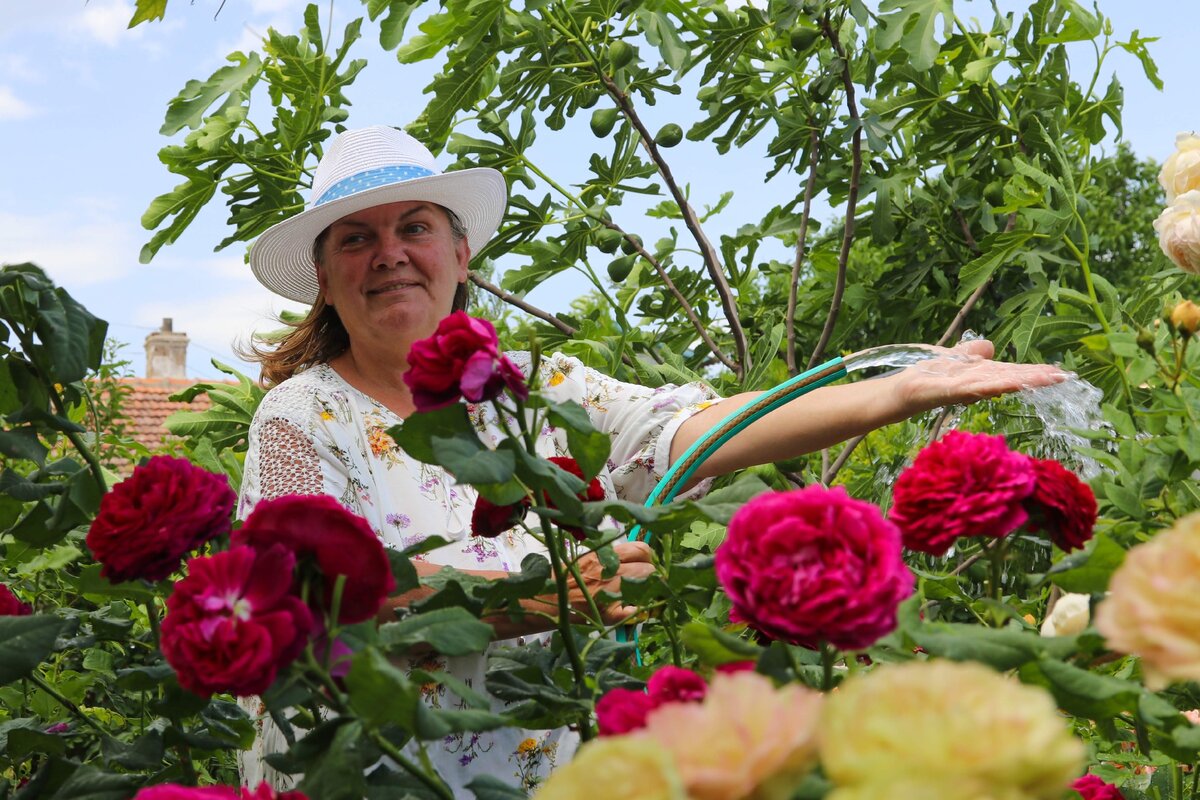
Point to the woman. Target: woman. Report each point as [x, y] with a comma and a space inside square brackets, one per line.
[382, 256]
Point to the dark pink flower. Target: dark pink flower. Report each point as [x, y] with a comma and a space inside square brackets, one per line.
[11, 605]
[59, 727]
[623, 710]
[731, 667]
[152, 519]
[319, 528]
[461, 359]
[233, 623]
[671, 684]
[814, 565]
[490, 520]
[964, 484]
[174, 791]
[1061, 505]
[592, 492]
[1090, 787]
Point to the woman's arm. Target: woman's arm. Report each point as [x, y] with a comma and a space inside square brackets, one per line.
[833, 414]
[542, 610]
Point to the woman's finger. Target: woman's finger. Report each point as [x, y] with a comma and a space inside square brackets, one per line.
[633, 551]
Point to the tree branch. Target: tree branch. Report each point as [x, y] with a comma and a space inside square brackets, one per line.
[814, 141]
[839, 462]
[956, 324]
[513, 300]
[839, 289]
[707, 251]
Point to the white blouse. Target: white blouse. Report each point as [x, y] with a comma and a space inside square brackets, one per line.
[316, 434]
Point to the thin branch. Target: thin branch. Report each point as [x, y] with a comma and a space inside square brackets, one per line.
[814, 141]
[960, 317]
[966, 229]
[678, 295]
[841, 460]
[708, 252]
[839, 289]
[513, 300]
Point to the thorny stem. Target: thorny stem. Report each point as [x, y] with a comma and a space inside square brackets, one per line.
[810, 186]
[839, 288]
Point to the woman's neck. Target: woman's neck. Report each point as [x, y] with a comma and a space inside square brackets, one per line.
[377, 374]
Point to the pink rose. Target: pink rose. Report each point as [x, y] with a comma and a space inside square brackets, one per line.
[174, 791]
[814, 565]
[964, 484]
[318, 527]
[461, 359]
[1091, 787]
[152, 519]
[10, 605]
[1061, 505]
[621, 711]
[233, 623]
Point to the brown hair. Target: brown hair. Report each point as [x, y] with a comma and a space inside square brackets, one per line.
[321, 337]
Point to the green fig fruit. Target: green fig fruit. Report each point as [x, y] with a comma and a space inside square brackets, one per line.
[603, 120]
[629, 248]
[620, 54]
[669, 135]
[620, 267]
[804, 38]
[608, 240]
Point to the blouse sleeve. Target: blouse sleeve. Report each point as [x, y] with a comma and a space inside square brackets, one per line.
[641, 421]
[288, 455]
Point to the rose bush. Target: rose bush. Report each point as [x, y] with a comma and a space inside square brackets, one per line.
[166, 509]
[963, 485]
[461, 359]
[339, 543]
[814, 565]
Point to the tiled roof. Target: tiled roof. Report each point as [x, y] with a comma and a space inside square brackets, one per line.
[146, 408]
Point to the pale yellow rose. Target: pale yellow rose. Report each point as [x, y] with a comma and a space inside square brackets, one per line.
[615, 768]
[1153, 605]
[1181, 171]
[1070, 615]
[1178, 229]
[942, 729]
[747, 739]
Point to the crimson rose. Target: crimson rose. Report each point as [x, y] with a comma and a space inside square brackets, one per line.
[174, 791]
[10, 605]
[461, 359]
[964, 484]
[318, 527]
[1061, 505]
[1092, 787]
[814, 565]
[592, 492]
[490, 520]
[622, 710]
[152, 519]
[233, 622]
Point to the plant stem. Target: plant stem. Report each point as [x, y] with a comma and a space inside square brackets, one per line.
[63, 701]
[828, 655]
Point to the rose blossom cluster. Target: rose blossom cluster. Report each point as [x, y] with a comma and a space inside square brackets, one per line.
[148, 522]
[1151, 609]
[462, 359]
[238, 618]
[814, 565]
[490, 520]
[1178, 226]
[620, 710]
[738, 737]
[971, 484]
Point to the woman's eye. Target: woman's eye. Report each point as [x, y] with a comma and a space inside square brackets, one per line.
[353, 238]
[416, 228]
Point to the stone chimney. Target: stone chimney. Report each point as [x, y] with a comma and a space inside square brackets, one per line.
[166, 353]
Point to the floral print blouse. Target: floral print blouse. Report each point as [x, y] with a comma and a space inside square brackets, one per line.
[316, 434]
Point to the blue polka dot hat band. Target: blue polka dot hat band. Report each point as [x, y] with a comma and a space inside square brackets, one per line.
[370, 179]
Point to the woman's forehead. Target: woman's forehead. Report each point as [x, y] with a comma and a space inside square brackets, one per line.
[387, 212]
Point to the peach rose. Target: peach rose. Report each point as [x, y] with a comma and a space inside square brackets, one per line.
[1152, 609]
[1070, 615]
[1185, 316]
[625, 766]
[1181, 171]
[1178, 229]
[941, 729]
[746, 739]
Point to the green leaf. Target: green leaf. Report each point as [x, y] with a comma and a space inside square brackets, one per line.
[589, 447]
[1080, 692]
[488, 787]
[975, 273]
[715, 646]
[1080, 25]
[914, 25]
[188, 108]
[450, 631]
[1089, 571]
[147, 11]
[25, 642]
[416, 436]
[464, 457]
[379, 692]
[90, 783]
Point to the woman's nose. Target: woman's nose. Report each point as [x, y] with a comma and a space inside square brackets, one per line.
[390, 252]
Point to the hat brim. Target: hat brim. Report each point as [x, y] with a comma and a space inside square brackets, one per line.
[282, 260]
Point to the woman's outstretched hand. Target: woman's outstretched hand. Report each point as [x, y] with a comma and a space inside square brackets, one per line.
[964, 374]
[635, 558]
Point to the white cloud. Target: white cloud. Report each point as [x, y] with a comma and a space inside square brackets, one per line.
[75, 247]
[19, 67]
[13, 107]
[106, 22]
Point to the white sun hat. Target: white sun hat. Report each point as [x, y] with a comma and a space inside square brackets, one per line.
[365, 168]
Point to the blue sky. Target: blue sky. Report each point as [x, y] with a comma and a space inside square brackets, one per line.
[82, 99]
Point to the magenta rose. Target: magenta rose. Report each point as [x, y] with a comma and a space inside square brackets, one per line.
[671, 684]
[490, 520]
[1061, 505]
[317, 528]
[11, 605]
[592, 492]
[148, 522]
[174, 791]
[461, 359]
[964, 484]
[814, 565]
[1090, 787]
[233, 623]
[621, 710]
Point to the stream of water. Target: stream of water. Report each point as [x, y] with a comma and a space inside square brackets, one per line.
[1060, 409]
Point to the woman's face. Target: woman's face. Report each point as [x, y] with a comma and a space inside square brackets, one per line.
[392, 269]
